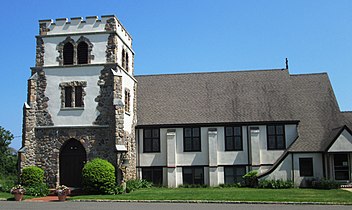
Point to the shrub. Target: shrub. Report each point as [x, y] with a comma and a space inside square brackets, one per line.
[230, 185]
[325, 184]
[99, 177]
[38, 190]
[135, 184]
[251, 179]
[32, 176]
[193, 186]
[6, 185]
[275, 184]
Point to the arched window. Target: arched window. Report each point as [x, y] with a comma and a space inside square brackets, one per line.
[126, 67]
[68, 54]
[82, 53]
[123, 59]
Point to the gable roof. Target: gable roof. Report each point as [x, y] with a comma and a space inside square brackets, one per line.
[242, 97]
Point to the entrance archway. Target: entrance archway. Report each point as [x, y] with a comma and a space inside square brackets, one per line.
[72, 159]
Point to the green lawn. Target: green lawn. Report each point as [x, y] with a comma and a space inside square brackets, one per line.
[231, 194]
[5, 195]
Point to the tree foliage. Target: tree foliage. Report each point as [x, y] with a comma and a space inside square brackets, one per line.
[8, 160]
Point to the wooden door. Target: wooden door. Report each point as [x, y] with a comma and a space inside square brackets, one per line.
[72, 159]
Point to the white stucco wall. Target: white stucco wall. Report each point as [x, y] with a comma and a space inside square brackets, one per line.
[232, 157]
[343, 143]
[99, 42]
[128, 82]
[74, 117]
[317, 167]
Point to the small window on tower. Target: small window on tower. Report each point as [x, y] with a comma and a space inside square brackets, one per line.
[126, 65]
[82, 53]
[127, 100]
[123, 59]
[68, 54]
[72, 94]
[68, 96]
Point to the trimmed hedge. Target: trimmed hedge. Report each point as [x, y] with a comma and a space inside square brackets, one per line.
[32, 176]
[99, 177]
[251, 179]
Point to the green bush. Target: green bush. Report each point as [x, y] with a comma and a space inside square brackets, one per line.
[230, 185]
[251, 179]
[275, 184]
[32, 176]
[6, 185]
[135, 184]
[99, 177]
[38, 190]
[325, 184]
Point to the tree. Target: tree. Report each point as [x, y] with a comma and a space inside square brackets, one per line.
[8, 160]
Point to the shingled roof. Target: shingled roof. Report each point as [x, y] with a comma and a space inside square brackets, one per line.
[242, 97]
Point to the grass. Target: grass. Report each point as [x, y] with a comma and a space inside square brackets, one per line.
[231, 194]
[10, 197]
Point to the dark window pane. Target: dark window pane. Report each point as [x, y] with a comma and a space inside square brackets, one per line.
[196, 132]
[147, 145]
[279, 129]
[78, 96]
[238, 143]
[82, 53]
[147, 133]
[229, 131]
[271, 130]
[280, 142]
[188, 132]
[229, 143]
[68, 96]
[147, 174]
[155, 133]
[188, 144]
[196, 144]
[68, 54]
[237, 131]
[156, 146]
[158, 176]
[271, 142]
[306, 166]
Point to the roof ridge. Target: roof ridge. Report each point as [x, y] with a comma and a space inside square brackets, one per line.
[212, 72]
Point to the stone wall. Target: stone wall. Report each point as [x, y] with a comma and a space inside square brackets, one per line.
[50, 140]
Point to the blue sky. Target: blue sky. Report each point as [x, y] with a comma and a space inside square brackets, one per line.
[174, 36]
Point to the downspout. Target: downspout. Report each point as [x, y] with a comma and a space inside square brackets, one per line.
[292, 169]
[137, 155]
[249, 151]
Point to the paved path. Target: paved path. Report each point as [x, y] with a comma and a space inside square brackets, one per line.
[6, 205]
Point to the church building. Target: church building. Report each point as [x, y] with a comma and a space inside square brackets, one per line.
[84, 102]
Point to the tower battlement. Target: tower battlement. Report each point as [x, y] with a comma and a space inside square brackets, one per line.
[89, 24]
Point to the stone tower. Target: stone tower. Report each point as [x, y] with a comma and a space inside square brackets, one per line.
[81, 99]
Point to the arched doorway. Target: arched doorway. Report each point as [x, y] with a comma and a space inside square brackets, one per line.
[72, 159]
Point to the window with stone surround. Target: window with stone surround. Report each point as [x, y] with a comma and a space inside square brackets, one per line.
[125, 59]
[75, 52]
[127, 100]
[151, 140]
[191, 140]
[233, 138]
[276, 137]
[72, 94]
[68, 53]
[82, 53]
